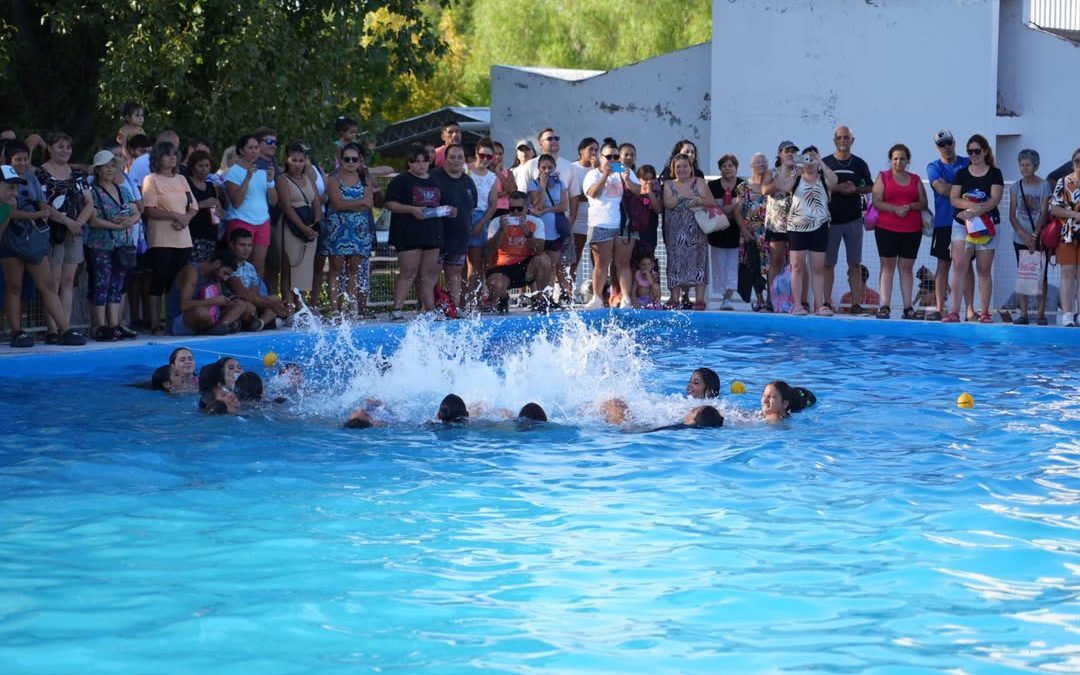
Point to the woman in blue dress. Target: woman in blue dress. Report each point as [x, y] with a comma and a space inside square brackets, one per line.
[349, 231]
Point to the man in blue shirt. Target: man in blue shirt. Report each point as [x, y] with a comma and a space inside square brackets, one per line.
[940, 173]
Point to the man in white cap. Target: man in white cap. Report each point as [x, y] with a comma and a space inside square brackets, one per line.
[940, 173]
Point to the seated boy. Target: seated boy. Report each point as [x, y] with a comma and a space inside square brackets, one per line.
[519, 247]
[196, 303]
[246, 284]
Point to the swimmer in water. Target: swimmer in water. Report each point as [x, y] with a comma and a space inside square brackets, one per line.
[218, 400]
[779, 399]
[704, 383]
[182, 378]
[452, 410]
[615, 411]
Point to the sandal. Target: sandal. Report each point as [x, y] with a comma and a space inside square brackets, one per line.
[856, 310]
[22, 340]
[1021, 320]
[909, 313]
[825, 310]
[699, 306]
[933, 315]
[986, 317]
[951, 317]
[71, 338]
[1006, 316]
[884, 312]
[799, 310]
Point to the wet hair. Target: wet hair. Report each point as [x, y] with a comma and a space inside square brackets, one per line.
[249, 386]
[708, 416]
[344, 123]
[727, 158]
[901, 147]
[452, 409]
[804, 398]
[226, 257]
[988, 154]
[200, 156]
[130, 107]
[533, 411]
[357, 423]
[209, 402]
[161, 377]
[211, 375]
[1030, 155]
[242, 141]
[711, 380]
[586, 142]
[240, 233]
[160, 150]
[797, 398]
[175, 353]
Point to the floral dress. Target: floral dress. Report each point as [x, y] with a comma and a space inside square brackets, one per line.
[349, 232]
[687, 245]
[753, 213]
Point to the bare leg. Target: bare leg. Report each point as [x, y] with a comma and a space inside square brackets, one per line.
[888, 271]
[622, 254]
[408, 269]
[429, 275]
[941, 284]
[798, 274]
[817, 278]
[602, 254]
[258, 259]
[961, 263]
[907, 280]
[984, 265]
[41, 273]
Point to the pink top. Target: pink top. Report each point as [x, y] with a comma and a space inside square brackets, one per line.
[899, 195]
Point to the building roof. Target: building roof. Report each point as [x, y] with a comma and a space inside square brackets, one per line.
[568, 74]
[394, 141]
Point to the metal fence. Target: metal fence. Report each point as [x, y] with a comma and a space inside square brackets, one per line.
[1056, 14]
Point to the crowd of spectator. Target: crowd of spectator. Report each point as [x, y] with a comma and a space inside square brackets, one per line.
[169, 245]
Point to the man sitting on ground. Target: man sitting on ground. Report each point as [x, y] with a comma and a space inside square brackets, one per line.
[246, 284]
[196, 303]
[519, 247]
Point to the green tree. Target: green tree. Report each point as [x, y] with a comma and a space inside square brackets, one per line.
[212, 67]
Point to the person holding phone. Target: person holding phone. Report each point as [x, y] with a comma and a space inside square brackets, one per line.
[604, 188]
[519, 252]
[250, 191]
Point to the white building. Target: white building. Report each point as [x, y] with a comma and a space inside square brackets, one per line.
[893, 70]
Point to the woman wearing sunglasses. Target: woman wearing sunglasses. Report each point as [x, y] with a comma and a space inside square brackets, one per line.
[976, 191]
[487, 197]
[604, 187]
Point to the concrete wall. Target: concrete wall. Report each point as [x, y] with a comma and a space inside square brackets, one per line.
[651, 104]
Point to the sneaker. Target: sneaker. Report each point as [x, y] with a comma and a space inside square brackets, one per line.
[22, 340]
[1067, 319]
[596, 303]
[72, 338]
[727, 307]
[103, 334]
[397, 315]
[625, 303]
[117, 334]
[255, 326]
[126, 333]
[277, 324]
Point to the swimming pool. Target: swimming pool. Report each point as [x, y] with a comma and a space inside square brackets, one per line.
[882, 531]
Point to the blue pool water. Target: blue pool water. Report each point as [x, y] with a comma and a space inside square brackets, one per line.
[883, 531]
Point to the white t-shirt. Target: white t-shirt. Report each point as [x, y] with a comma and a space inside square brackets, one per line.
[604, 210]
[530, 171]
[484, 185]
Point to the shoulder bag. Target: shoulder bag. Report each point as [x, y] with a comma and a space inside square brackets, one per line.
[305, 213]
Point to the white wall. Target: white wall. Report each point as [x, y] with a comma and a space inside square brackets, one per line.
[651, 104]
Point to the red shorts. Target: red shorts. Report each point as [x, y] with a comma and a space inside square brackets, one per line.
[260, 232]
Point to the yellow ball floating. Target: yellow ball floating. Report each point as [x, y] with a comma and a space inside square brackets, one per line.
[270, 360]
[738, 387]
[965, 400]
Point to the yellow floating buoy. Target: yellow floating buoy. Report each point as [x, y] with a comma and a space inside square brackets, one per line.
[270, 360]
[738, 387]
[965, 400]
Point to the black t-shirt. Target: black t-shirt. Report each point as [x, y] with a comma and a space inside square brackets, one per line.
[405, 230]
[202, 226]
[728, 238]
[458, 192]
[846, 208]
[977, 188]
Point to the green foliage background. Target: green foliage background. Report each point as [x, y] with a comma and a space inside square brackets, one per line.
[213, 68]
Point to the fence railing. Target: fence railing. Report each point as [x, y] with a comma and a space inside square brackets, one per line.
[1056, 14]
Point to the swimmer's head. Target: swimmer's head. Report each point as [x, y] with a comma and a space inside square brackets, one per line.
[249, 387]
[182, 360]
[360, 419]
[160, 380]
[211, 375]
[452, 409]
[532, 411]
[615, 411]
[218, 401]
[704, 416]
[704, 383]
[231, 369]
[776, 400]
[804, 398]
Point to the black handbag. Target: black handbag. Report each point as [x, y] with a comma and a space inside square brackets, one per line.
[28, 240]
[305, 213]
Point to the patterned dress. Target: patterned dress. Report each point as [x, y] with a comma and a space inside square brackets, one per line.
[687, 245]
[349, 232]
[753, 213]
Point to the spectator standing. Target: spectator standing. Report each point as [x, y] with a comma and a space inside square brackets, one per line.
[777, 208]
[750, 217]
[450, 135]
[204, 226]
[724, 244]
[486, 181]
[301, 207]
[853, 180]
[459, 191]
[110, 246]
[900, 200]
[1029, 204]
[941, 173]
[249, 188]
[604, 188]
[579, 204]
[687, 245]
[1065, 206]
[976, 192]
[169, 206]
[349, 230]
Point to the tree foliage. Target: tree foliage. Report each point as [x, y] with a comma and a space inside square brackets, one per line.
[212, 67]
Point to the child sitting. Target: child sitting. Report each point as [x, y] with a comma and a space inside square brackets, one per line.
[647, 284]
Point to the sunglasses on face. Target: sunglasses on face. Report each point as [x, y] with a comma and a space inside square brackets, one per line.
[975, 151]
[484, 155]
[270, 141]
[516, 209]
[611, 158]
[549, 138]
[945, 144]
[350, 160]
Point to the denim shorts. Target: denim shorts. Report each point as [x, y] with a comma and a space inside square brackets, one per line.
[481, 240]
[598, 235]
[959, 233]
